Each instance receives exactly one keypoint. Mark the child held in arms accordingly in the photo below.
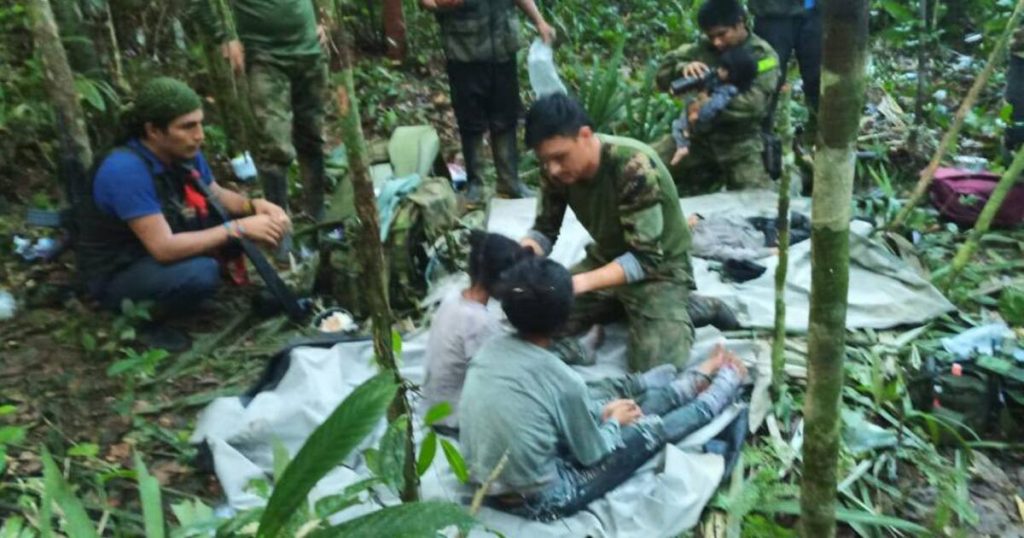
(735, 74)
(564, 448)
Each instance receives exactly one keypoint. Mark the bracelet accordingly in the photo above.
(235, 232)
(248, 208)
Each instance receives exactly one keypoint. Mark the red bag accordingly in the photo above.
(960, 195)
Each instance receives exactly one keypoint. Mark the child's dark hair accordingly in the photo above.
(741, 66)
(554, 115)
(490, 255)
(536, 295)
(714, 13)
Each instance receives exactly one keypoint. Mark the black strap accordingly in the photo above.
(292, 307)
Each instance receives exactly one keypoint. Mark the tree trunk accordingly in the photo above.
(78, 44)
(844, 47)
(59, 81)
(995, 201)
(371, 259)
(923, 46)
(394, 29)
(785, 130)
(961, 114)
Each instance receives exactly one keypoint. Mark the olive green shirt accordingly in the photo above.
(629, 207)
(745, 112)
(280, 29)
(480, 31)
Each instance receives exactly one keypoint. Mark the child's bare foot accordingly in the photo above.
(715, 360)
(736, 364)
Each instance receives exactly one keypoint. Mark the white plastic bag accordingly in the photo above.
(540, 62)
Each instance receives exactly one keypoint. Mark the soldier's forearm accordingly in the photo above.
(529, 7)
(607, 276)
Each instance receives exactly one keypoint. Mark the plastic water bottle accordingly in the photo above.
(540, 63)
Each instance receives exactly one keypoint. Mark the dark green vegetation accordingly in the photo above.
(76, 381)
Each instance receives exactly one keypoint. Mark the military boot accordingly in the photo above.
(313, 185)
(506, 163)
(275, 189)
(472, 147)
(706, 310)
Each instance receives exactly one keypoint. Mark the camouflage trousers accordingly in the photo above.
(714, 163)
(288, 102)
(660, 331)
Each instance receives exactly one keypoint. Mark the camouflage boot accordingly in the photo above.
(506, 157)
(313, 185)
(275, 189)
(475, 194)
(705, 310)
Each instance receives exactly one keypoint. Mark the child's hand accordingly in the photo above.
(679, 155)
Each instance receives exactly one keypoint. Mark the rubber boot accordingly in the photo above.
(706, 310)
(472, 148)
(275, 189)
(313, 185)
(506, 163)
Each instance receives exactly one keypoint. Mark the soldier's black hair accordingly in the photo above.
(536, 295)
(490, 255)
(741, 66)
(714, 13)
(554, 115)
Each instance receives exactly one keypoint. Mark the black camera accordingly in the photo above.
(683, 85)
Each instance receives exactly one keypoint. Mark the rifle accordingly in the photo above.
(296, 309)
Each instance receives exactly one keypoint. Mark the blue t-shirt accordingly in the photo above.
(123, 186)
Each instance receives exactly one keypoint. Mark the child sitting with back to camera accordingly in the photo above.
(735, 75)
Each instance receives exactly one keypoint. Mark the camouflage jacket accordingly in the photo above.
(629, 206)
(743, 116)
(776, 8)
(278, 29)
(480, 31)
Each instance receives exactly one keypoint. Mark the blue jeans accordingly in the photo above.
(175, 288)
(575, 487)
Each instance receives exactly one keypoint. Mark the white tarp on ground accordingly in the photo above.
(884, 291)
(664, 498)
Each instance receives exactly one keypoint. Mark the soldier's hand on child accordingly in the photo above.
(695, 69)
(623, 411)
(262, 229)
(679, 155)
(532, 244)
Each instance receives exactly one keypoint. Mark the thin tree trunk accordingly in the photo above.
(844, 47)
(371, 259)
(59, 81)
(394, 29)
(789, 168)
(958, 121)
(76, 39)
(115, 53)
(923, 46)
(992, 206)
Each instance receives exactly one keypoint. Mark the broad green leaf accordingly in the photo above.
(149, 493)
(11, 435)
(195, 514)
(78, 523)
(121, 366)
(427, 452)
(281, 457)
(7, 409)
(411, 520)
(12, 528)
(396, 343)
(332, 504)
(84, 450)
(455, 460)
(392, 454)
(437, 412)
(330, 443)
(1011, 306)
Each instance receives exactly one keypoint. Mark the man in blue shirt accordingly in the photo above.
(145, 232)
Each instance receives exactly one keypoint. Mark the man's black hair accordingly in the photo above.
(536, 295)
(741, 66)
(554, 115)
(490, 255)
(720, 13)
